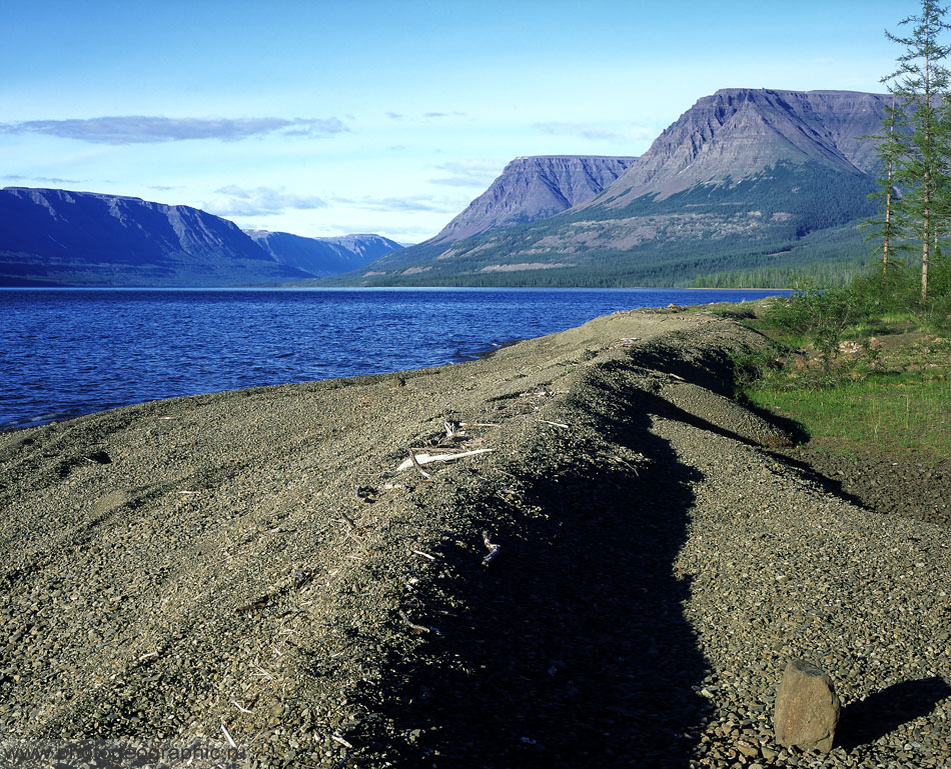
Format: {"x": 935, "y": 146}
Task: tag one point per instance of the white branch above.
{"x": 425, "y": 459}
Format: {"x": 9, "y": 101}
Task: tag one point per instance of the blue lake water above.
{"x": 67, "y": 352}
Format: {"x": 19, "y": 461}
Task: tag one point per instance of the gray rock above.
{"x": 807, "y": 708}
{"x": 532, "y": 188}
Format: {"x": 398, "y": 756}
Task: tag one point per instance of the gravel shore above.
{"x": 255, "y": 566}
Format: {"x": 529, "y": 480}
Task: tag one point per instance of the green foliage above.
{"x": 819, "y": 314}
{"x": 917, "y": 142}
{"x": 890, "y": 412}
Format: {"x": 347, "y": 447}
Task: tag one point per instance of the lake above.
{"x": 67, "y": 352}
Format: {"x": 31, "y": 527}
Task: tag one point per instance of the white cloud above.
{"x": 143, "y": 129}
{"x": 414, "y": 203}
{"x": 260, "y": 201}
{"x": 468, "y": 173}
{"x": 598, "y": 133}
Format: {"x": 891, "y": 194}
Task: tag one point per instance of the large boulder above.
{"x": 807, "y": 708}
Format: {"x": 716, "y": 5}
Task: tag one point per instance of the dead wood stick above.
{"x": 415, "y": 463}
{"x": 418, "y": 628}
{"x": 231, "y": 742}
{"x": 493, "y": 549}
{"x": 424, "y": 459}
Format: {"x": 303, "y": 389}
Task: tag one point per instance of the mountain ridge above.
{"x": 534, "y": 187}
{"x": 322, "y": 257}
{"x": 51, "y": 237}
{"x": 746, "y": 179}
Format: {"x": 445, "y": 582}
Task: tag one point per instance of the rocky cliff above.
{"x": 738, "y": 132}
{"x": 745, "y": 180}
{"x": 532, "y": 188}
{"x": 321, "y": 257}
{"x": 56, "y": 237}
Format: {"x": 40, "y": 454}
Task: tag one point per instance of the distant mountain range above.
{"x": 56, "y": 237}
{"x": 747, "y": 187}
{"x": 321, "y": 257}
{"x": 747, "y": 180}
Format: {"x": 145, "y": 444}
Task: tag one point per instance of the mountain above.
{"x": 56, "y": 237}
{"x": 746, "y": 181}
{"x": 737, "y": 133}
{"x": 532, "y": 188}
{"x": 320, "y": 257}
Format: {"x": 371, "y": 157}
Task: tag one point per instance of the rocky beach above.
{"x": 577, "y": 552}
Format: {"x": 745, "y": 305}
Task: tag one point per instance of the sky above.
{"x": 327, "y": 117}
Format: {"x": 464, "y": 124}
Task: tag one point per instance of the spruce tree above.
{"x": 890, "y": 148}
{"x": 922, "y": 159}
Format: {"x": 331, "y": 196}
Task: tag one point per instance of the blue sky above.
{"x": 328, "y": 117}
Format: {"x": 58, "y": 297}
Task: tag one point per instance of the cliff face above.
{"x": 321, "y": 257}
{"x": 56, "y": 237}
{"x": 746, "y": 178}
{"x": 532, "y": 188}
{"x": 738, "y": 132}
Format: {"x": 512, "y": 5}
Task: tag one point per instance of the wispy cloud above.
{"x": 143, "y": 129}
{"x": 414, "y": 203}
{"x": 596, "y": 132}
{"x": 43, "y": 179}
{"x": 468, "y": 173}
{"x": 260, "y": 201}
{"x": 427, "y": 115}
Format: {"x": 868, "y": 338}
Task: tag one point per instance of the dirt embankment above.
{"x": 254, "y": 566}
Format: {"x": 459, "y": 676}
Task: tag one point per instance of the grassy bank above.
{"x": 856, "y": 370}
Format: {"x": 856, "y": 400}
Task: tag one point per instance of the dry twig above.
{"x": 418, "y": 628}
{"x": 413, "y": 462}
{"x": 493, "y": 549}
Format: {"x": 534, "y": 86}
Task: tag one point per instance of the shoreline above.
{"x": 657, "y": 566}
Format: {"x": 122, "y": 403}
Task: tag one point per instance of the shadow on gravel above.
{"x": 884, "y": 711}
{"x": 574, "y": 651}
{"x": 827, "y": 484}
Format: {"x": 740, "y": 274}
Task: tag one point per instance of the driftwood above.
{"x": 493, "y": 549}
{"x": 416, "y": 460}
{"x": 231, "y": 742}
{"x": 413, "y": 462}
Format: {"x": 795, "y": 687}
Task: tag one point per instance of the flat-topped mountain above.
{"x": 58, "y": 237}
{"x": 746, "y": 180}
{"x": 739, "y": 132}
{"x": 532, "y": 188}
{"x": 321, "y": 257}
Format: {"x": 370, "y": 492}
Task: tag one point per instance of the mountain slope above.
{"x": 532, "y": 188}
{"x": 736, "y": 133}
{"x": 745, "y": 179}
{"x": 56, "y": 237}
{"x": 321, "y": 257}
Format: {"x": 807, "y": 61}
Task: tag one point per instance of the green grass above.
{"x": 901, "y": 414}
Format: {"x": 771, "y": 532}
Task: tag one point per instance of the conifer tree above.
{"x": 890, "y": 148}
{"x": 922, "y": 160}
